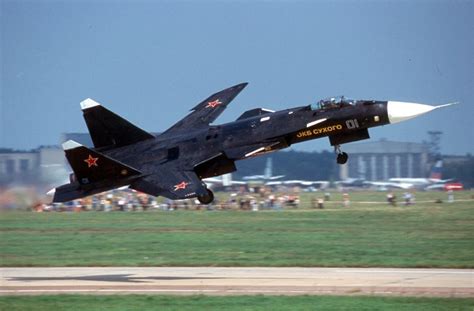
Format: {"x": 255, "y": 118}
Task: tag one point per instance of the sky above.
{"x": 152, "y": 61}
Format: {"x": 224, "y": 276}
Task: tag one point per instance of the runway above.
{"x": 238, "y": 281}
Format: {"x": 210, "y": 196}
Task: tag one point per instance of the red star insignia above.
{"x": 213, "y": 104}
{"x": 91, "y": 161}
{"x": 181, "y": 185}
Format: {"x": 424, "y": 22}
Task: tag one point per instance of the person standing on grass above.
{"x": 345, "y": 199}
{"x": 407, "y": 197}
{"x": 391, "y": 199}
{"x": 450, "y": 196}
{"x": 320, "y": 203}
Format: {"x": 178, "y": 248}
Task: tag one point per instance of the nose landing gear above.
{"x": 341, "y": 156}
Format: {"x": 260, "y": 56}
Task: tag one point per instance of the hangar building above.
{"x": 45, "y": 164}
{"x": 381, "y": 160}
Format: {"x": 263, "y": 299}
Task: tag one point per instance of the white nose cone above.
{"x": 51, "y": 192}
{"x": 401, "y": 111}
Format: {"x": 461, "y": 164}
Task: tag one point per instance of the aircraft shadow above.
{"x": 126, "y": 278}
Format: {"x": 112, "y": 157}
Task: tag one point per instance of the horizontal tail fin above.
{"x": 69, "y": 192}
{"x": 90, "y": 166}
{"x": 109, "y": 129}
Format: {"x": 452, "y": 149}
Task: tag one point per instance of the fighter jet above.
{"x": 173, "y": 163}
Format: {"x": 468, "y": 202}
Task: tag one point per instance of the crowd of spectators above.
{"x": 130, "y": 200}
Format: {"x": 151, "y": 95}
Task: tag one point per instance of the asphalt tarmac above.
{"x": 238, "y": 281}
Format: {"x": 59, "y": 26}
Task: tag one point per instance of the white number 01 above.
{"x": 352, "y": 124}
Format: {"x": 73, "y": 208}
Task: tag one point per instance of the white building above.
{"x": 381, "y": 160}
{"x": 42, "y": 165}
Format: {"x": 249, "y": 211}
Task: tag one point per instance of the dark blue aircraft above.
{"x": 173, "y": 164}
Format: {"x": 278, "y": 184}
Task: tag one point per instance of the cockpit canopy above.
{"x": 332, "y": 103}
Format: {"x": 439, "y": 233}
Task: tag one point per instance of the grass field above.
{"x": 364, "y": 235}
{"x": 138, "y": 302}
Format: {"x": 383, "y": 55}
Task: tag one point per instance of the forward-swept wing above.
{"x": 208, "y": 110}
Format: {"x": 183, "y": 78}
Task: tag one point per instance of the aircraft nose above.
{"x": 401, "y": 111}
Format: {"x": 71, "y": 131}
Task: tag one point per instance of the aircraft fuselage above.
{"x": 267, "y": 132}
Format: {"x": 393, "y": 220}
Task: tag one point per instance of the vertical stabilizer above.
{"x": 108, "y": 129}
{"x": 436, "y": 170}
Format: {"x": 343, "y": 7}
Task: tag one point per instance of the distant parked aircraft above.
{"x": 431, "y": 183}
{"x": 267, "y": 173}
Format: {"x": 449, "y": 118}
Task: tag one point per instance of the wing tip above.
{"x": 239, "y": 86}
{"x": 88, "y": 103}
{"x": 71, "y": 144}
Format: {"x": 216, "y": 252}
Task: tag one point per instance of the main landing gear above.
{"x": 341, "y": 156}
{"x": 207, "y": 198}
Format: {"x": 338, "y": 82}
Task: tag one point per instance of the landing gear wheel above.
{"x": 342, "y": 158}
{"x": 206, "y": 199}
